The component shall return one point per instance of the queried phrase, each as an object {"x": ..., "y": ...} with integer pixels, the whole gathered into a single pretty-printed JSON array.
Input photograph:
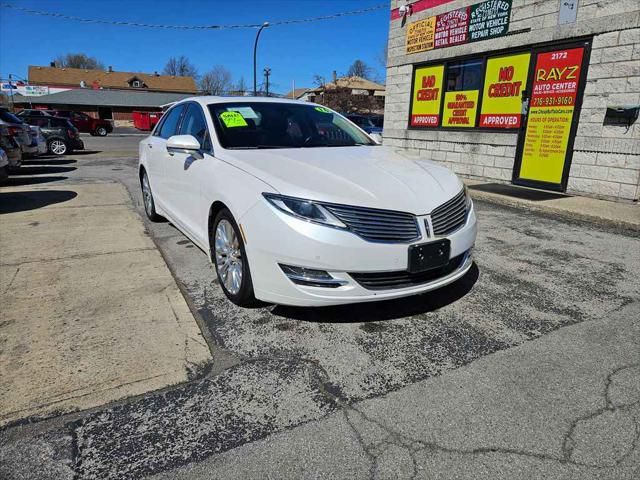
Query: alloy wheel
[
  {"x": 101, "y": 131},
  {"x": 58, "y": 147},
  {"x": 146, "y": 193},
  {"x": 228, "y": 257}
]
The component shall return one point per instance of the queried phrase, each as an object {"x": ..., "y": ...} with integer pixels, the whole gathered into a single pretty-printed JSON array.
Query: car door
[
  {"x": 185, "y": 171},
  {"x": 157, "y": 156},
  {"x": 81, "y": 121}
]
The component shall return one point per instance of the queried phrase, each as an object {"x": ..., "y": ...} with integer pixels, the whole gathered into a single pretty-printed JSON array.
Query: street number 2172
[{"x": 558, "y": 55}]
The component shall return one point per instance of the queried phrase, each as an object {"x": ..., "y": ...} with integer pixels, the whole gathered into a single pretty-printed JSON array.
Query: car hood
[{"x": 367, "y": 176}]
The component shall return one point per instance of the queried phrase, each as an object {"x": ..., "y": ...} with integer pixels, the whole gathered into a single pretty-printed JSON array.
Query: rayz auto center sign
[{"x": 481, "y": 21}]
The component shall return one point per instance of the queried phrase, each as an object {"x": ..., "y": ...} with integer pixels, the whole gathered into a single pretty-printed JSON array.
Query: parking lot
[{"x": 531, "y": 362}]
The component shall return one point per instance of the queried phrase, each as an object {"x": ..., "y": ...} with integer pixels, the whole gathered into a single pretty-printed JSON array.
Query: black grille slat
[
  {"x": 450, "y": 216},
  {"x": 377, "y": 225},
  {"x": 404, "y": 279}
]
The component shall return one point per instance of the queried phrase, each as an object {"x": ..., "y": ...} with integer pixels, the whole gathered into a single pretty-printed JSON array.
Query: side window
[
  {"x": 195, "y": 124},
  {"x": 169, "y": 126}
]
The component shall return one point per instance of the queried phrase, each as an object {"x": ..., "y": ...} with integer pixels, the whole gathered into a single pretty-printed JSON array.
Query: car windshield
[{"x": 254, "y": 125}]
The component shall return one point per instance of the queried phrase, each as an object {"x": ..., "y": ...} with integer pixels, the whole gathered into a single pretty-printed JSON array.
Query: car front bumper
[{"x": 273, "y": 238}]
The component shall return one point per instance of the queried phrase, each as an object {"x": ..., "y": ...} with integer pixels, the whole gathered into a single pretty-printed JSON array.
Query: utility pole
[
  {"x": 255, "y": 50},
  {"x": 13, "y": 107},
  {"x": 267, "y": 72}
]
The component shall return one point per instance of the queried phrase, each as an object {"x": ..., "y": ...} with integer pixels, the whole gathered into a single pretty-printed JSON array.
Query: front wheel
[
  {"x": 230, "y": 259},
  {"x": 57, "y": 147},
  {"x": 101, "y": 131},
  {"x": 147, "y": 196}
]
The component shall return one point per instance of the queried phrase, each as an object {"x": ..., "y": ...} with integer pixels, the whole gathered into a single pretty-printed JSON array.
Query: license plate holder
[{"x": 428, "y": 256}]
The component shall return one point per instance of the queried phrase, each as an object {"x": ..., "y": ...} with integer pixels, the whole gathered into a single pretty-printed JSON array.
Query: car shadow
[
  {"x": 387, "y": 309},
  {"x": 50, "y": 160},
  {"x": 85, "y": 152},
  {"x": 22, "y": 181},
  {"x": 12, "y": 202},
  {"x": 25, "y": 169}
]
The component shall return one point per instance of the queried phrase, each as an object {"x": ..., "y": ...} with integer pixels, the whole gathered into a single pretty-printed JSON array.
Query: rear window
[
  {"x": 60, "y": 122},
  {"x": 9, "y": 117}
]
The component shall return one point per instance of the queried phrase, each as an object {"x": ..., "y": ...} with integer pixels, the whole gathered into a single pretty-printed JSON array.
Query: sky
[{"x": 293, "y": 52}]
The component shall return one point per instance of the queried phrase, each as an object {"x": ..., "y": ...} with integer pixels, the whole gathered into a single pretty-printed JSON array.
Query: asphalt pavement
[{"x": 528, "y": 367}]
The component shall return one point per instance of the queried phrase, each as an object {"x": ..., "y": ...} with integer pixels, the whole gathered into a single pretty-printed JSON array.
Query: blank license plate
[{"x": 428, "y": 256}]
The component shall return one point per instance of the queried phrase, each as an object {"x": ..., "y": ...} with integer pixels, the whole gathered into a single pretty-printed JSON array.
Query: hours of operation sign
[{"x": 553, "y": 98}]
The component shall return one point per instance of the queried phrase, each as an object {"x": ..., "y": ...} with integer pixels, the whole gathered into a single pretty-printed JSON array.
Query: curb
[{"x": 630, "y": 227}]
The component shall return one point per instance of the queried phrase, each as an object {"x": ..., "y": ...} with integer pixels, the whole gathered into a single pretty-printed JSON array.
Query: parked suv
[
  {"x": 62, "y": 137},
  {"x": 11, "y": 148},
  {"x": 85, "y": 123},
  {"x": 364, "y": 123},
  {"x": 19, "y": 131}
]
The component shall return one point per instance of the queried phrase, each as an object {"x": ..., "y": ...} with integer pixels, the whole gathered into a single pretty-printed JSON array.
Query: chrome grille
[
  {"x": 450, "y": 216},
  {"x": 377, "y": 225}
]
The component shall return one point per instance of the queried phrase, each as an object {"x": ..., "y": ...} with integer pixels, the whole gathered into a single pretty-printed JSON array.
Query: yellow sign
[
  {"x": 460, "y": 109},
  {"x": 505, "y": 80},
  {"x": 546, "y": 143},
  {"x": 233, "y": 119},
  {"x": 420, "y": 35},
  {"x": 553, "y": 98},
  {"x": 427, "y": 96}
]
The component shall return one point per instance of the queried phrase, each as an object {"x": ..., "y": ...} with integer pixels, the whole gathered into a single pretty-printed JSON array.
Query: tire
[
  {"x": 57, "y": 146},
  {"x": 230, "y": 259},
  {"x": 147, "y": 199},
  {"x": 101, "y": 131}
]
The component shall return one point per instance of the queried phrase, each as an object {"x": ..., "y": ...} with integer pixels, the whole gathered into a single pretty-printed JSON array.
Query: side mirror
[
  {"x": 184, "y": 144},
  {"x": 376, "y": 137}
]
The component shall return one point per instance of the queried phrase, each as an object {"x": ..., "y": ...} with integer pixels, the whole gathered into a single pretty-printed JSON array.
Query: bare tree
[
  {"x": 359, "y": 69},
  {"x": 180, "y": 67},
  {"x": 78, "y": 60},
  {"x": 241, "y": 87},
  {"x": 318, "y": 80},
  {"x": 382, "y": 56},
  {"x": 216, "y": 82}
]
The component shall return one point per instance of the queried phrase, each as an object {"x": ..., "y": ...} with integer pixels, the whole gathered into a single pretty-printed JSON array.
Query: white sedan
[{"x": 295, "y": 205}]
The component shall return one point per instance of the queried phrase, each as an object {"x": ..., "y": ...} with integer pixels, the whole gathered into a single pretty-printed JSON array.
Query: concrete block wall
[{"x": 606, "y": 159}]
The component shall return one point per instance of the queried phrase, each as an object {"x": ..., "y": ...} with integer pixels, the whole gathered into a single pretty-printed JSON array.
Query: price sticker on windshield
[{"x": 233, "y": 119}]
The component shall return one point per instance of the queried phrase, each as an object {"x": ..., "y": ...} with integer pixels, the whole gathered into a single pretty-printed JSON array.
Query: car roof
[{"x": 211, "y": 99}]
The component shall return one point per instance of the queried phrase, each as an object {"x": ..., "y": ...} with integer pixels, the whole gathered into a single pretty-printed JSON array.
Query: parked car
[
  {"x": 11, "y": 148},
  {"x": 4, "y": 167},
  {"x": 364, "y": 123},
  {"x": 19, "y": 131},
  {"x": 41, "y": 142},
  {"x": 85, "y": 123},
  {"x": 62, "y": 137},
  {"x": 291, "y": 214},
  {"x": 377, "y": 120}
]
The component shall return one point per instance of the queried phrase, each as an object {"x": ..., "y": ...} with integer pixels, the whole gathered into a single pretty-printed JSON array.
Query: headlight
[{"x": 304, "y": 209}]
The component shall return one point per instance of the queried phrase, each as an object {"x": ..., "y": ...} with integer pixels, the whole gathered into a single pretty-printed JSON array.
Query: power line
[{"x": 191, "y": 27}]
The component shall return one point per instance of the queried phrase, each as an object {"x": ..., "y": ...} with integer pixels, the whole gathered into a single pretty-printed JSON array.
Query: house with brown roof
[
  {"x": 350, "y": 95},
  {"x": 54, "y": 77},
  {"x": 105, "y": 94}
]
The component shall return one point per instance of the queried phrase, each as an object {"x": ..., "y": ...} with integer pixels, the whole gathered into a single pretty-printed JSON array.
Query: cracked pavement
[{"x": 528, "y": 367}]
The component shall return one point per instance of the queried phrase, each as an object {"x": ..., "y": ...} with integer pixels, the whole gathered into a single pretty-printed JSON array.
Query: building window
[
  {"x": 480, "y": 92},
  {"x": 136, "y": 84}
]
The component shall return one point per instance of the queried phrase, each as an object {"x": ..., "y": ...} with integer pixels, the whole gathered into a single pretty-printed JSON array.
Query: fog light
[{"x": 310, "y": 277}]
